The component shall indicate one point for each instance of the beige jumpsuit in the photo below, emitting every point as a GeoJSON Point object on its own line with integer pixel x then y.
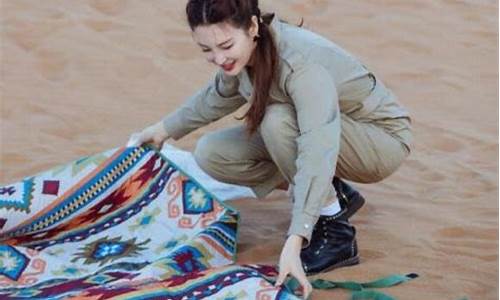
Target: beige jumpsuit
{"type": "Point", "coordinates": [328, 116]}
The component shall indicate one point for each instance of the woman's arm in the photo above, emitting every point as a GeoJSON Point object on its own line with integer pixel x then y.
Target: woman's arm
{"type": "Point", "coordinates": [314, 95]}
{"type": "Point", "coordinates": [316, 102]}
{"type": "Point", "coordinates": [216, 100]}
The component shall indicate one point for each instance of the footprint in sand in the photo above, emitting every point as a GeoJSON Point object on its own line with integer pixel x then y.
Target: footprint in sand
{"type": "Point", "coordinates": [52, 64]}
{"type": "Point", "coordinates": [109, 7]}
{"type": "Point", "coordinates": [447, 144]}
{"type": "Point", "coordinates": [102, 25]}
{"type": "Point", "coordinates": [178, 45]}
{"type": "Point", "coordinates": [411, 46]}
{"type": "Point", "coordinates": [449, 140]}
{"type": "Point", "coordinates": [465, 241]}
{"type": "Point", "coordinates": [461, 232]}
{"type": "Point", "coordinates": [54, 125]}
{"type": "Point", "coordinates": [372, 255]}
{"type": "Point", "coordinates": [424, 172]}
{"type": "Point", "coordinates": [314, 7]}
{"type": "Point", "coordinates": [28, 35]}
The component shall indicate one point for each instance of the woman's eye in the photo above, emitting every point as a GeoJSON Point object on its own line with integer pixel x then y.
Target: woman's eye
{"type": "Point", "coordinates": [225, 48]}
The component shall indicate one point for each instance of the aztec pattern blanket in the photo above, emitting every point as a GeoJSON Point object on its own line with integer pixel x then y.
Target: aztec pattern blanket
{"type": "Point", "coordinates": [123, 224]}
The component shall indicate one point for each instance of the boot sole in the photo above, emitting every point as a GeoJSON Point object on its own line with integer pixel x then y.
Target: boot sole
{"type": "Point", "coordinates": [345, 263]}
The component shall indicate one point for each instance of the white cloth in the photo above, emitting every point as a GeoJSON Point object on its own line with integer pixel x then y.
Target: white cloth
{"type": "Point", "coordinates": [185, 161]}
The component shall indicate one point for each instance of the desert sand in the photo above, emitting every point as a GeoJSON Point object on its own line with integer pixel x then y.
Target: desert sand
{"type": "Point", "coordinates": [78, 77]}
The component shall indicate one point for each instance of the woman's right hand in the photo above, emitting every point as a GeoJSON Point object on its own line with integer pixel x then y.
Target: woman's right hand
{"type": "Point", "coordinates": [154, 134]}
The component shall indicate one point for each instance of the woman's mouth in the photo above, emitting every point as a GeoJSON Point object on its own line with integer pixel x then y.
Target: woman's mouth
{"type": "Point", "coordinates": [229, 67]}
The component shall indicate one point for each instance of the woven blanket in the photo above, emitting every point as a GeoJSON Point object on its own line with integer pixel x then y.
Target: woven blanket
{"type": "Point", "coordinates": [123, 224]}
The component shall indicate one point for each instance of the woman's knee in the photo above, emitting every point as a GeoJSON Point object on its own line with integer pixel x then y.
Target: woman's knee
{"type": "Point", "coordinates": [225, 148]}
{"type": "Point", "coordinates": [207, 147]}
{"type": "Point", "coordinates": [279, 121]}
{"type": "Point", "coordinates": [364, 175]}
{"type": "Point", "coordinates": [371, 170]}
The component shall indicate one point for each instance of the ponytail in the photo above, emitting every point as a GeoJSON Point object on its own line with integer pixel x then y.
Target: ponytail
{"type": "Point", "coordinates": [265, 68]}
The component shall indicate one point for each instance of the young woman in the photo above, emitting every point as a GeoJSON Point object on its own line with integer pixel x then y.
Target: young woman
{"type": "Point", "coordinates": [316, 115]}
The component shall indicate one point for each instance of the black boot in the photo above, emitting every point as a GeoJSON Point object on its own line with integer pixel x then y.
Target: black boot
{"type": "Point", "coordinates": [350, 200]}
{"type": "Point", "coordinates": [333, 245]}
{"type": "Point", "coordinates": [333, 240]}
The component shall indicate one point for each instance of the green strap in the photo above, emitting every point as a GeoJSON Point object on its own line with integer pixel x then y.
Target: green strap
{"type": "Point", "coordinates": [361, 291]}
{"type": "Point", "coordinates": [370, 295]}
{"type": "Point", "coordinates": [322, 284]}
{"type": "Point", "coordinates": [355, 286]}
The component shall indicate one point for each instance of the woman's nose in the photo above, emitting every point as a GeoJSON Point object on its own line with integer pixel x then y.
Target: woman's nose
{"type": "Point", "coordinates": [219, 58]}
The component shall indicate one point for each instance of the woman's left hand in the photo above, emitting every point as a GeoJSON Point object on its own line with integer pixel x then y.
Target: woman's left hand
{"type": "Point", "coordinates": [290, 263]}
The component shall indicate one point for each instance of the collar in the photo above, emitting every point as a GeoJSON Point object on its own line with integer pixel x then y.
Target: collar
{"type": "Point", "coordinates": [275, 27]}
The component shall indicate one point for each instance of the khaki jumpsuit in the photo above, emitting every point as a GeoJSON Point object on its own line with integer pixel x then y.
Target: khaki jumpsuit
{"type": "Point", "coordinates": [328, 115]}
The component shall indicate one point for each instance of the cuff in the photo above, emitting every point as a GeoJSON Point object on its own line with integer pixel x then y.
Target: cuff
{"type": "Point", "coordinates": [173, 126]}
{"type": "Point", "coordinates": [302, 224]}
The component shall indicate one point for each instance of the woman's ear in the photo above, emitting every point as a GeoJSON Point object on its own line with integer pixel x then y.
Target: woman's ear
{"type": "Point", "coordinates": [254, 28]}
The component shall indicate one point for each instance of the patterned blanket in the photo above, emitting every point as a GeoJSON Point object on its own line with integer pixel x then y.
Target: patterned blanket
{"type": "Point", "coordinates": [123, 224]}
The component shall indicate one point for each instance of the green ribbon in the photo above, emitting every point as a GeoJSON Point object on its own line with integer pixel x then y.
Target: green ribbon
{"type": "Point", "coordinates": [361, 291]}
{"type": "Point", "coordinates": [370, 295]}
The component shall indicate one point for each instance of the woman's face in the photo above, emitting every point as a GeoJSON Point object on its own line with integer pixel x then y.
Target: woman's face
{"type": "Point", "coordinates": [226, 46]}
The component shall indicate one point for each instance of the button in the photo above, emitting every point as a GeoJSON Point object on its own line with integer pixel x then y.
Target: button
{"type": "Point", "coordinates": [306, 225]}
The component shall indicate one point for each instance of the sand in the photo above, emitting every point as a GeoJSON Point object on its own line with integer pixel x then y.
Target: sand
{"type": "Point", "coordinates": [78, 77]}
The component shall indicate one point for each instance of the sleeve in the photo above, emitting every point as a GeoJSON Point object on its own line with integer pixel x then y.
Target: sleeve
{"type": "Point", "coordinates": [216, 100]}
{"type": "Point", "coordinates": [314, 95]}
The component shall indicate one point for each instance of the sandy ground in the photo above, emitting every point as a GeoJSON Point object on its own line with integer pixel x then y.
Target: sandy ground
{"type": "Point", "coordinates": [77, 77]}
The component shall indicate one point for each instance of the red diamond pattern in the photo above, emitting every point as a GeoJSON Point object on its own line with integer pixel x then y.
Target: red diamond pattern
{"type": "Point", "coordinates": [50, 187]}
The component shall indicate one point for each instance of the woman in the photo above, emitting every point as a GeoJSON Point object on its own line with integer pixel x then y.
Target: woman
{"type": "Point", "coordinates": [315, 112]}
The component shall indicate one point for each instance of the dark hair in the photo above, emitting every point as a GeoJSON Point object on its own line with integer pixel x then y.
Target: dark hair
{"type": "Point", "coordinates": [239, 13]}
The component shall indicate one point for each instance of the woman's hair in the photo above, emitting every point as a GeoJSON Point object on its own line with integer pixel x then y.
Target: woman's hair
{"type": "Point", "coordinates": [265, 58]}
